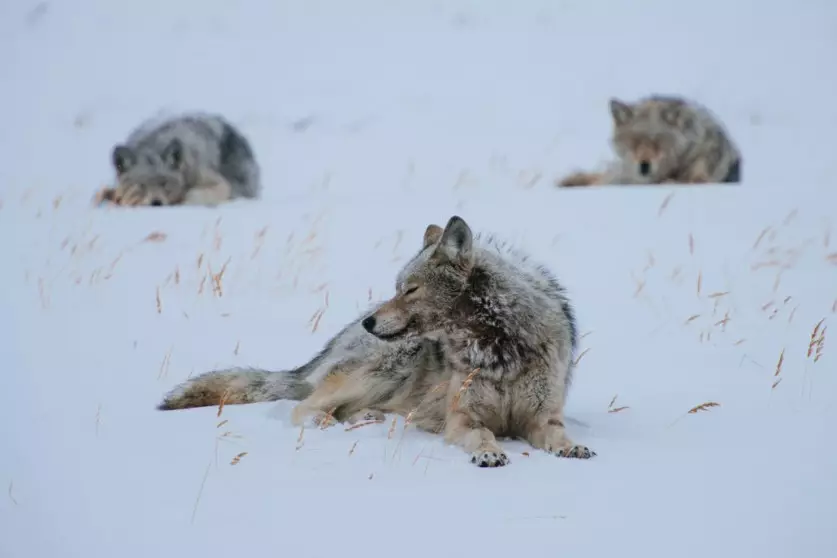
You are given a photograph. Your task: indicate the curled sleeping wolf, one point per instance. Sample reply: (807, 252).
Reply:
(665, 139)
(191, 159)
(477, 342)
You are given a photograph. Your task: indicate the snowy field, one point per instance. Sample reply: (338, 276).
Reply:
(372, 119)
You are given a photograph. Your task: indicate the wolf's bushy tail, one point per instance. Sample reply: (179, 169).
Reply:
(236, 386)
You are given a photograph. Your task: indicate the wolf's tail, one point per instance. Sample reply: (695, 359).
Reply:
(237, 386)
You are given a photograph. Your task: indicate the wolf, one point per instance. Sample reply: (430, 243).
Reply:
(664, 139)
(190, 159)
(477, 343)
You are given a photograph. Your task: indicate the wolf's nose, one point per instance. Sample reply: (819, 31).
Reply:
(644, 168)
(368, 324)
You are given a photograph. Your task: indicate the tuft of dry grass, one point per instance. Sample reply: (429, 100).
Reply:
(217, 278)
(703, 407)
(816, 338)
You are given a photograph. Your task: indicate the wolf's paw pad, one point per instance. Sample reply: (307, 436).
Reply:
(578, 452)
(367, 416)
(489, 458)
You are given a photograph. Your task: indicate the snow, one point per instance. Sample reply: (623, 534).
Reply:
(372, 119)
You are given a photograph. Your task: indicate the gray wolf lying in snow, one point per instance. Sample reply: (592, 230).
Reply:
(191, 159)
(477, 342)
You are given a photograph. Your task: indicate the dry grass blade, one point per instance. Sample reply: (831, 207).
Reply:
(200, 492)
(12, 498)
(352, 449)
(691, 244)
(718, 294)
(300, 440)
(703, 407)
(612, 401)
(237, 346)
(155, 236)
(761, 237)
(222, 423)
(832, 258)
(691, 318)
(465, 385)
(224, 397)
(779, 364)
(776, 383)
(618, 409)
(740, 341)
(580, 356)
(664, 205)
(159, 302)
(361, 425)
(237, 458)
(392, 427)
(699, 281)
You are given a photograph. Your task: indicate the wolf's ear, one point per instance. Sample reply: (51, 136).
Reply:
(457, 241)
(432, 234)
(173, 154)
(122, 158)
(621, 112)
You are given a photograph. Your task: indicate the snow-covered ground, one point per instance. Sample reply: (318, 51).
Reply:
(372, 119)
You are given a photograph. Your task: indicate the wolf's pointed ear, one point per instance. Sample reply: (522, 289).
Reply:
(621, 112)
(457, 241)
(432, 234)
(122, 158)
(173, 154)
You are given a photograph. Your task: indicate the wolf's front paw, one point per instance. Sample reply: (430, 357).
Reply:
(489, 458)
(367, 415)
(579, 452)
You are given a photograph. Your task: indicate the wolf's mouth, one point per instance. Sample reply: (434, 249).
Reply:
(400, 334)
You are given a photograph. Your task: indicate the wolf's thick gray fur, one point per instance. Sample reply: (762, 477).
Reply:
(478, 341)
(190, 158)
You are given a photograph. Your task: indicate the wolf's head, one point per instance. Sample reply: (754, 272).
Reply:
(650, 137)
(427, 287)
(154, 178)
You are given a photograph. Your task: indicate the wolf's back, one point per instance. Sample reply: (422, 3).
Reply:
(236, 386)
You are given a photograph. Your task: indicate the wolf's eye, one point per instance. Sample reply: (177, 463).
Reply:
(410, 290)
